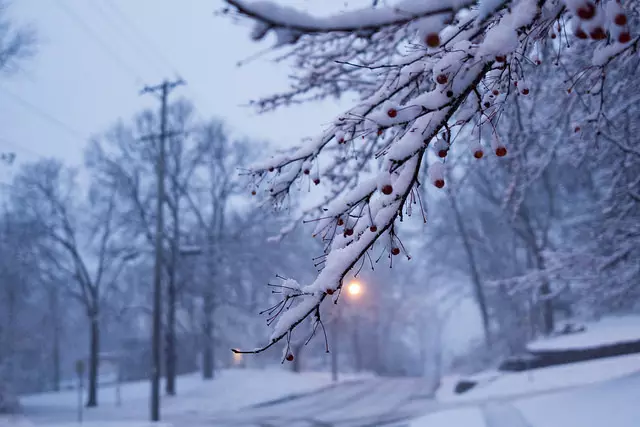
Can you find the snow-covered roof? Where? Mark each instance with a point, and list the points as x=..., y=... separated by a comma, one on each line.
x=607, y=331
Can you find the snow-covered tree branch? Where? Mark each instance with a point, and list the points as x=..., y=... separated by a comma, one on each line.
x=429, y=75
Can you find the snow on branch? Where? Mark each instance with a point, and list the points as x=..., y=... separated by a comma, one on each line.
x=426, y=72
x=269, y=15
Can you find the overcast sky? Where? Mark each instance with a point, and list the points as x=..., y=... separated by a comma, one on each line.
x=94, y=56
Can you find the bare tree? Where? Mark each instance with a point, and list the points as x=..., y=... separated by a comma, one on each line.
x=16, y=43
x=209, y=204
x=124, y=162
x=88, y=250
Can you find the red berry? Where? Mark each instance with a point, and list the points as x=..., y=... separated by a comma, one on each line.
x=387, y=189
x=624, y=37
x=501, y=151
x=442, y=153
x=379, y=132
x=253, y=193
x=306, y=171
x=576, y=129
x=598, y=33
x=620, y=19
x=569, y=90
x=432, y=40
x=392, y=112
x=515, y=83
x=525, y=91
x=439, y=183
x=289, y=357
x=442, y=79
x=348, y=232
x=501, y=58
x=341, y=140
x=329, y=291
x=316, y=181
x=496, y=92
x=395, y=251
x=587, y=12
x=478, y=154
x=581, y=34
x=553, y=35
x=373, y=229
x=340, y=222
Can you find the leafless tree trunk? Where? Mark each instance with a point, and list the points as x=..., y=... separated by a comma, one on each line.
x=473, y=268
x=56, y=329
x=94, y=359
x=208, y=353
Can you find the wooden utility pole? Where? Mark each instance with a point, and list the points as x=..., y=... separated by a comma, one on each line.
x=156, y=340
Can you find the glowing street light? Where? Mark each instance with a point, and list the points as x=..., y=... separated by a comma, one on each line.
x=354, y=289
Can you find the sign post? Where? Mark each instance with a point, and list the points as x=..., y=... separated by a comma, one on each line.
x=80, y=373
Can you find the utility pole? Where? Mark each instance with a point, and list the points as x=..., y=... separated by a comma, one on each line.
x=156, y=340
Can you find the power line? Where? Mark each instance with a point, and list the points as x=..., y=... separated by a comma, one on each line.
x=16, y=146
x=134, y=29
x=78, y=20
x=43, y=114
x=134, y=41
x=151, y=47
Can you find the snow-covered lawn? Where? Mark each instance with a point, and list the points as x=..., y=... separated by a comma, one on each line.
x=610, y=404
x=607, y=331
x=229, y=391
x=506, y=384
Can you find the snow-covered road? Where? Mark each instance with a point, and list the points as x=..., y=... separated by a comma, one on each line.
x=370, y=402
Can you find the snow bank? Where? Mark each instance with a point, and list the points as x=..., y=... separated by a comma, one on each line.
x=608, y=331
x=547, y=379
x=463, y=417
x=612, y=403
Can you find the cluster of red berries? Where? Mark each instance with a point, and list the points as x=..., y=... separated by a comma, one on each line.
x=587, y=12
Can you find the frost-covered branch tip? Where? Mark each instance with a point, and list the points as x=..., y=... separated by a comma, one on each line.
x=459, y=71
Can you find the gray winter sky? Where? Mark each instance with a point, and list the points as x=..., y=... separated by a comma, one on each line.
x=95, y=56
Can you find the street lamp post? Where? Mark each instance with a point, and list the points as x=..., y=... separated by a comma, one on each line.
x=354, y=290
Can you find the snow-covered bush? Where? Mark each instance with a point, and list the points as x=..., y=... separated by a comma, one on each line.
x=429, y=75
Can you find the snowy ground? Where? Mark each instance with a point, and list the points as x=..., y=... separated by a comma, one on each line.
x=590, y=394
x=606, y=331
x=612, y=403
x=241, y=398
x=510, y=384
